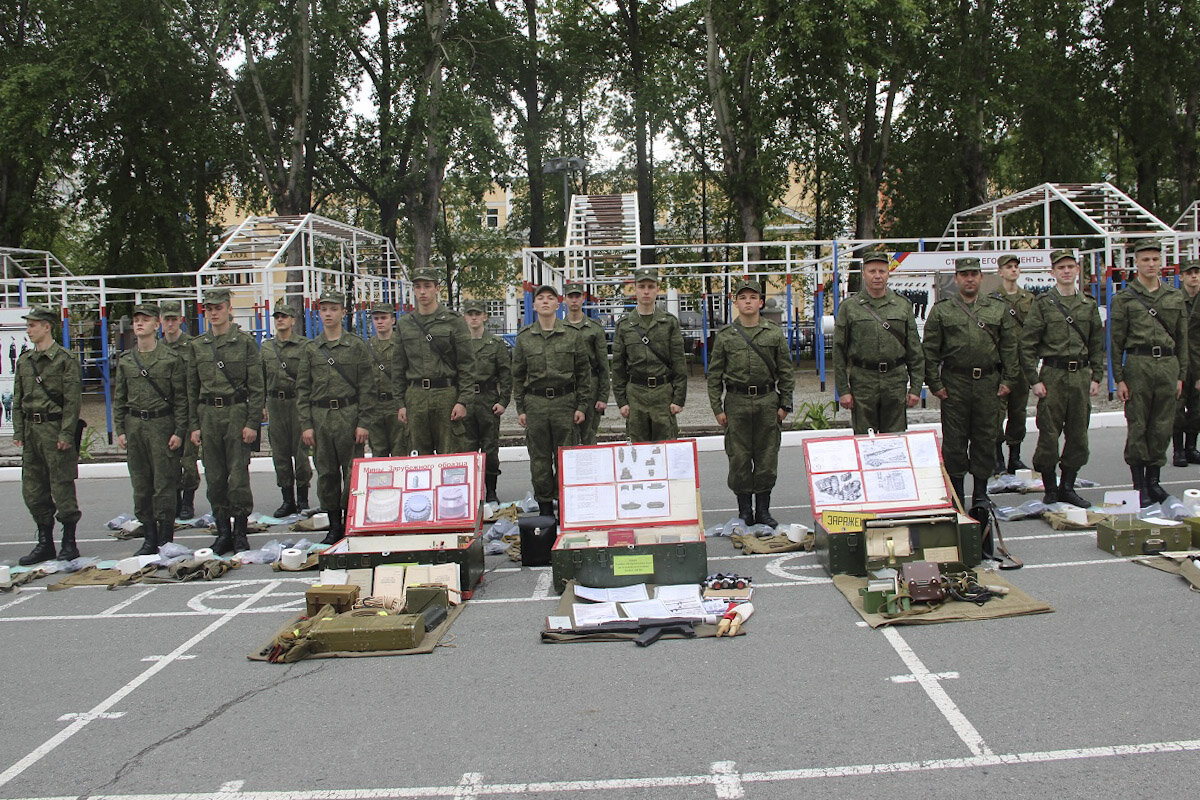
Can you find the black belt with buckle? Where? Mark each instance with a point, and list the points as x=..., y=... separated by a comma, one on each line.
x=40, y=418
x=432, y=383
x=335, y=403
x=386, y=396
x=650, y=381
x=971, y=372
x=141, y=414
x=1069, y=364
x=551, y=392
x=1155, y=351
x=750, y=389
x=282, y=394
x=877, y=366
x=489, y=386
x=221, y=401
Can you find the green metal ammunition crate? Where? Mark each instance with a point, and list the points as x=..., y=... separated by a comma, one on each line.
x=1193, y=524
x=608, y=567
x=358, y=634
x=1129, y=537
x=944, y=537
x=355, y=552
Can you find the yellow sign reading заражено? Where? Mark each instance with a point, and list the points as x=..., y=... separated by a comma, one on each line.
x=844, y=521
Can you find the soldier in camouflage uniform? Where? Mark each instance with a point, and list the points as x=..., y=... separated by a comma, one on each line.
x=970, y=360
x=493, y=390
x=225, y=408
x=433, y=371
x=878, y=364
x=552, y=381
x=389, y=436
x=1149, y=326
x=1063, y=330
x=150, y=417
x=45, y=415
x=335, y=390
x=281, y=356
x=1014, y=405
x=174, y=337
x=593, y=334
x=751, y=366
x=649, y=373
x=1187, y=414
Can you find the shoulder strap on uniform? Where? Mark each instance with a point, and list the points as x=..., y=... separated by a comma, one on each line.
x=433, y=345
x=145, y=374
x=757, y=351
x=646, y=341
x=378, y=363
x=55, y=397
x=1012, y=308
x=1070, y=321
x=887, y=326
x=331, y=361
x=279, y=358
x=244, y=389
x=1152, y=311
x=983, y=327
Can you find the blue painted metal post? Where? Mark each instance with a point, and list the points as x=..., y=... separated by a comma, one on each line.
x=1108, y=332
x=704, y=330
x=105, y=373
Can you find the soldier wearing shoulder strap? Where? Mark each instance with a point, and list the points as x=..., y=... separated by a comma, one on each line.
x=597, y=342
x=1187, y=414
x=649, y=373
x=175, y=338
x=493, y=389
x=281, y=356
x=1014, y=405
x=389, y=436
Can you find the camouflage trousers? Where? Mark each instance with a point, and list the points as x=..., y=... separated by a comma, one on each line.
x=48, y=474
x=153, y=467
x=550, y=424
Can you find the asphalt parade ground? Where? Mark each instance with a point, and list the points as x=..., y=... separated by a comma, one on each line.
x=146, y=692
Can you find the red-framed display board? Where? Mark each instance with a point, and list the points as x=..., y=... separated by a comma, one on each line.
x=416, y=494
x=882, y=473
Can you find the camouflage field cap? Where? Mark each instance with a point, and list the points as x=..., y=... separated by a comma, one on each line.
x=146, y=309
x=574, y=287
x=426, y=274
x=967, y=264
x=474, y=305
x=876, y=255
x=1008, y=258
x=43, y=313
x=745, y=284
x=383, y=307
x=645, y=274
x=216, y=294
x=332, y=296
x=1147, y=244
x=545, y=287
x=1188, y=264
x=285, y=309
x=171, y=308
x=1058, y=255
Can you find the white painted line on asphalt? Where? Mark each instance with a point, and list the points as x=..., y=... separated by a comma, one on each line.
x=230, y=788
x=941, y=676
x=105, y=705
x=83, y=715
x=468, y=786
x=108, y=612
x=542, y=590
x=216, y=612
x=160, y=658
x=930, y=683
x=21, y=599
x=726, y=780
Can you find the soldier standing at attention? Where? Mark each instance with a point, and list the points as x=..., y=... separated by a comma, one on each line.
x=970, y=360
x=751, y=366
x=1013, y=406
x=433, y=371
x=649, y=373
x=389, y=437
x=225, y=394
x=1149, y=326
x=45, y=418
x=150, y=417
x=281, y=357
x=877, y=359
x=493, y=390
x=174, y=337
x=1187, y=416
x=335, y=391
x=552, y=381
x=597, y=342
x=1063, y=330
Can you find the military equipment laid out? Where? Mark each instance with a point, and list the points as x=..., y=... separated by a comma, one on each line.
x=892, y=504
x=341, y=597
x=423, y=510
x=629, y=513
x=1193, y=524
x=1130, y=536
x=366, y=630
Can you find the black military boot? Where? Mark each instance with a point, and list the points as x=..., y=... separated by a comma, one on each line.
x=224, y=542
x=1050, y=484
x=979, y=495
x=1156, y=491
x=187, y=504
x=67, y=551
x=289, y=503
x=44, y=549
x=335, y=526
x=746, y=508
x=1066, y=490
x=1178, y=454
x=302, y=497
x=149, y=539
x=1014, y=459
x=1139, y=482
x=999, y=458
x=762, y=501
x=956, y=483
x=240, y=542
x=489, y=495
x=166, y=531
x=1189, y=448
x=546, y=509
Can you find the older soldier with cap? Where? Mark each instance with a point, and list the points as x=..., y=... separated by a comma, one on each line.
x=1149, y=326
x=150, y=417
x=552, y=381
x=335, y=391
x=1014, y=405
x=1063, y=330
x=878, y=364
x=281, y=356
x=493, y=390
x=225, y=393
x=433, y=370
x=970, y=360
x=174, y=337
x=751, y=367
x=45, y=418
x=649, y=373
x=597, y=343
x=389, y=436
x=1187, y=414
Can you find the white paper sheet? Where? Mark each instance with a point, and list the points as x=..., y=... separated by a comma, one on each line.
x=890, y=486
x=646, y=499
x=589, y=503
x=618, y=594
x=587, y=465
x=888, y=453
x=681, y=461
x=923, y=449
x=586, y=614
x=646, y=609
x=838, y=489
x=682, y=600
x=832, y=456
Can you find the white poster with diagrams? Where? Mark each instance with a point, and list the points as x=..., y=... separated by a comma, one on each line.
x=13, y=342
x=893, y=472
x=418, y=493
x=611, y=484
